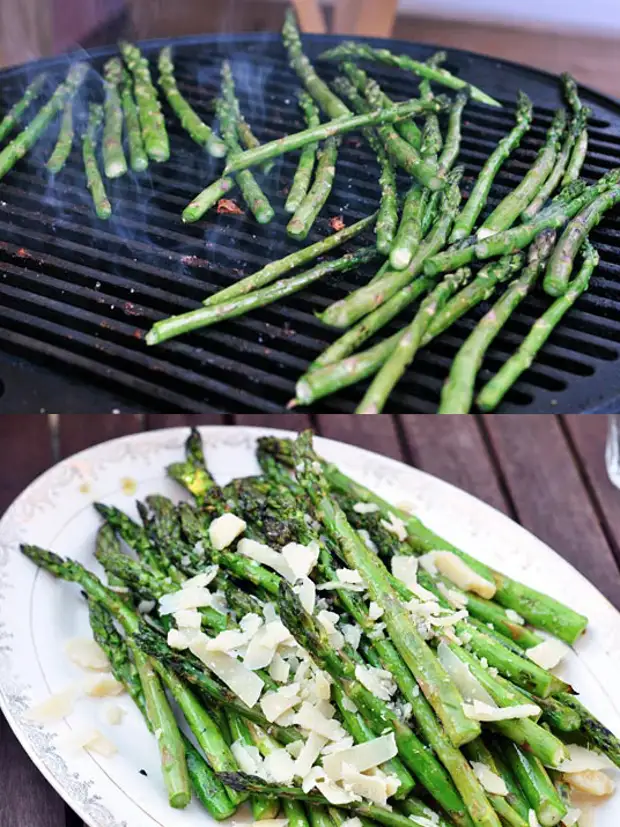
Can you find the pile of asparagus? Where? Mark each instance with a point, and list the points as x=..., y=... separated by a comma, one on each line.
x=447, y=767
x=437, y=251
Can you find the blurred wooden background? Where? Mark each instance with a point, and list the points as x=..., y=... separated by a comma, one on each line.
x=33, y=28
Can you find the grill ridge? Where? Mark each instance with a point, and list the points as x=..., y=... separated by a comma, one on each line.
x=77, y=294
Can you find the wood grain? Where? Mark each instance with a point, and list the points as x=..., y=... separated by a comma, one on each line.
x=291, y=422
x=549, y=495
x=375, y=433
x=154, y=421
x=79, y=431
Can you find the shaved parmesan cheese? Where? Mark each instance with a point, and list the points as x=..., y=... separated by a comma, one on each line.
x=244, y=683
x=351, y=822
x=581, y=759
x=371, y=787
x=352, y=635
x=396, y=526
x=309, y=753
x=102, y=686
x=295, y=748
x=181, y=638
x=368, y=542
x=338, y=746
x=491, y=782
x=322, y=686
x=279, y=669
x=224, y=529
x=458, y=572
x=202, y=580
x=365, y=508
x=532, y=820
x=571, y=817
x=405, y=569
x=471, y=689
x=310, y=718
x=187, y=619
x=310, y=780
x=328, y=621
x=374, y=611
x=250, y=623
x=361, y=757
x=306, y=591
x=228, y=640
x=378, y=681
x=301, y=559
x=514, y=617
x=93, y=741
x=548, y=653
x=277, y=703
x=479, y=711
x=193, y=598
x=455, y=598
x=145, y=607
x=262, y=647
x=592, y=782
x=335, y=794
x=279, y=767
x=267, y=556
x=247, y=756
x=54, y=708
x=349, y=576
x=113, y=714
x=348, y=704
x=86, y=653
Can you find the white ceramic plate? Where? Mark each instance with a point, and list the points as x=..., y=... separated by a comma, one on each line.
x=38, y=614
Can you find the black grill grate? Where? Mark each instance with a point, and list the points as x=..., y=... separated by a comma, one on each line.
x=76, y=294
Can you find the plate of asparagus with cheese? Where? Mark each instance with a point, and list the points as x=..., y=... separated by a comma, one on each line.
x=258, y=626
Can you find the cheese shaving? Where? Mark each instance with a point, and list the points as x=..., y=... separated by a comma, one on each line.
x=405, y=569
x=186, y=598
x=267, y=556
x=113, y=714
x=549, y=653
x=301, y=559
x=361, y=757
x=309, y=753
x=87, y=654
x=279, y=669
x=490, y=781
x=478, y=711
x=224, y=529
x=187, y=619
x=243, y=682
x=371, y=787
x=102, y=686
x=53, y=708
x=311, y=718
x=581, y=759
x=248, y=757
x=470, y=688
x=335, y=794
x=93, y=741
x=279, y=767
x=378, y=681
x=592, y=782
x=306, y=591
x=275, y=704
x=365, y=508
x=203, y=579
x=458, y=572
x=396, y=526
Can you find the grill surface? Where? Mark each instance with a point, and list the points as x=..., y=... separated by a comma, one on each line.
x=77, y=294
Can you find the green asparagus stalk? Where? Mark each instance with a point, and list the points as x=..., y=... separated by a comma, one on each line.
x=33, y=90
x=477, y=751
x=580, y=147
x=205, y=316
x=289, y=143
x=516, y=797
x=452, y=144
x=94, y=181
x=536, y=608
x=206, y=199
x=432, y=678
x=330, y=379
x=420, y=814
x=402, y=153
x=152, y=124
x=508, y=210
x=576, y=128
x=362, y=51
x=271, y=271
x=253, y=195
x=596, y=734
x=493, y=392
x=404, y=353
x=64, y=142
x=137, y=156
x=114, y=163
x=347, y=311
x=193, y=473
x=305, y=167
x=387, y=218
x=553, y=217
x=409, y=232
x=301, y=223
x=301, y=65
x=560, y=266
x=133, y=534
x=458, y=391
x=26, y=139
x=191, y=122
x=466, y=220
x=247, y=138
x=536, y=784
x=383, y=815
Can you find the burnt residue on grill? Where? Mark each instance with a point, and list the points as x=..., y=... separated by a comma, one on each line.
x=77, y=294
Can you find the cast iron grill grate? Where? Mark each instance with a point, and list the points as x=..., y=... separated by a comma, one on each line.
x=76, y=294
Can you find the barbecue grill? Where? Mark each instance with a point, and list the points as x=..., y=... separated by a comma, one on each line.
x=77, y=294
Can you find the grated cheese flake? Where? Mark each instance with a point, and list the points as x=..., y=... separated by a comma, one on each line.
x=490, y=781
x=93, y=741
x=181, y=638
x=301, y=559
x=267, y=556
x=187, y=619
x=581, y=759
x=405, y=569
x=571, y=817
x=309, y=753
x=247, y=756
x=224, y=529
x=113, y=714
x=243, y=682
x=311, y=718
x=378, y=681
x=365, y=508
x=396, y=526
x=306, y=591
x=195, y=597
x=55, y=707
x=458, y=572
x=275, y=704
x=361, y=757
x=478, y=711
x=87, y=654
x=374, y=611
x=102, y=686
x=592, y=782
x=349, y=576
x=279, y=767
x=203, y=579
x=335, y=794
x=470, y=688
x=228, y=640
x=279, y=669
x=371, y=787
x=514, y=617
x=549, y=653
